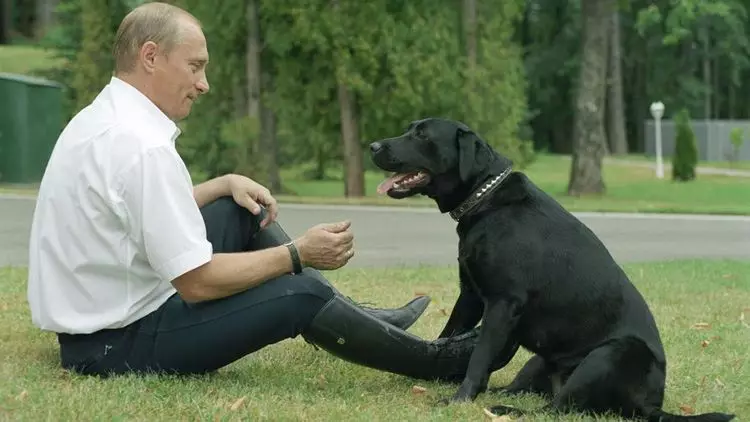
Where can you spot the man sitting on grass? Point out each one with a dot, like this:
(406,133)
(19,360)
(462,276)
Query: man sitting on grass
(139,271)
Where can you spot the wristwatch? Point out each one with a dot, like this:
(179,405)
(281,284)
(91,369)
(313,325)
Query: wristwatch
(296,263)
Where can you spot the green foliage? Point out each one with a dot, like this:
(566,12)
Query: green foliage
(82,39)
(685,156)
(680,34)
(406,67)
(213,140)
(93,62)
(736,138)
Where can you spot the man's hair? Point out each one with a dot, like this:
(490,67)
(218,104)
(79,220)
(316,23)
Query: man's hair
(157,22)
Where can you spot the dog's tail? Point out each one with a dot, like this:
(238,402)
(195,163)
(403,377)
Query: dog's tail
(662,416)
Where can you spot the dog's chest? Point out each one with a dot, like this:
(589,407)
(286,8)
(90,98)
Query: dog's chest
(467,276)
(480,268)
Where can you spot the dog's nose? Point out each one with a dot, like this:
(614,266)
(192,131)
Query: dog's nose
(375,146)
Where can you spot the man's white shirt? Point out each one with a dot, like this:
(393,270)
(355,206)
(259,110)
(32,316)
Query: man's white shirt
(115,219)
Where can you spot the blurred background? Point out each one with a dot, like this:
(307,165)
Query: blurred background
(299,88)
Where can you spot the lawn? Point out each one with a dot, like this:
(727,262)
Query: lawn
(735,165)
(699,305)
(26,60)
(629,189)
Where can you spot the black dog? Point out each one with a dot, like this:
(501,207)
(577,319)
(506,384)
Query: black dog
(536,277)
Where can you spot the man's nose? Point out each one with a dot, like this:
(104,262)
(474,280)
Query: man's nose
(376,146)
(202,86)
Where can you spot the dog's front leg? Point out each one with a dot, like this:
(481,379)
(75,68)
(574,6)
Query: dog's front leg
(466,312)
(497,325)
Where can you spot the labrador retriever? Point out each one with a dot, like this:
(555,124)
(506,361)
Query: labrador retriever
(536,277)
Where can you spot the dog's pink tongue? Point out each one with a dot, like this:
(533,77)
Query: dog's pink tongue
(386,184)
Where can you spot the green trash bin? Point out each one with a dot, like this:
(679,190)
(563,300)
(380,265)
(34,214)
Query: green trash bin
(31,119)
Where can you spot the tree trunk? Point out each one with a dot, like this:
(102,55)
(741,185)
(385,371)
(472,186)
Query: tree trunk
(268,138)
(263,152)
(706,72)
(45,16)
(354,174)
(731,99)
(253,76)
(589,138)
(470,31)
(253,67)
(354,171)
(6,21)
(617,137)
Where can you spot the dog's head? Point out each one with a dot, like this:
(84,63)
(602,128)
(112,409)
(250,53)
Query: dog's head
(439,158)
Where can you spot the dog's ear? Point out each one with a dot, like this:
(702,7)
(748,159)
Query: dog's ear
(468,144)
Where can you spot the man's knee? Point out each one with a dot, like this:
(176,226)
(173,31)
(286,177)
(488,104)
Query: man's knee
(227,208)
(229,226)
(306,285)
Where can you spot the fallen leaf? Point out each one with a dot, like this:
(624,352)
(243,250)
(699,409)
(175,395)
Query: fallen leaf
(495,418)
(418,389)
(443,311)
(705,343)
(686,410)
(22,395)
(420,294)
(237,403)
(701,325)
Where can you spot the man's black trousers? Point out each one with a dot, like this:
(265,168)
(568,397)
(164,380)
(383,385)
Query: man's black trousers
(197,338)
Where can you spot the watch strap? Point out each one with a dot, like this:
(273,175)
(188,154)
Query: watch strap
(296,262)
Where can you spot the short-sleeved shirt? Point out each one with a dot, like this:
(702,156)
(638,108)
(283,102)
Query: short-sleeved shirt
(115,220)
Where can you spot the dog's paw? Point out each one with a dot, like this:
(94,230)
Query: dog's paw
(445,401)
(455,399)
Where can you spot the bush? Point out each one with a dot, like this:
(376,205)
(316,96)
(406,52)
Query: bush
(685,156)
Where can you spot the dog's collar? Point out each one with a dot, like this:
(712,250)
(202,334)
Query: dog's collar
(479,194)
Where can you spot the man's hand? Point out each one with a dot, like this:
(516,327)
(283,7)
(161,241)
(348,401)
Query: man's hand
(251,195)
(326,246)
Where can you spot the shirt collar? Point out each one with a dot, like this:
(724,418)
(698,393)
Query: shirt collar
(128,99)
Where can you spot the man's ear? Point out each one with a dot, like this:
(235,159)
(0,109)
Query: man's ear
(467,153)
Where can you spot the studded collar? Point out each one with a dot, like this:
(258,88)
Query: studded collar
(479,194)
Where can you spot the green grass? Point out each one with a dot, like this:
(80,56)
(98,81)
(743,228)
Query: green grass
(292,381)
(629,189)
(736,165)
(26,60)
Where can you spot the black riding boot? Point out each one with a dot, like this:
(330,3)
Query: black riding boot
(403,317)
(347,332)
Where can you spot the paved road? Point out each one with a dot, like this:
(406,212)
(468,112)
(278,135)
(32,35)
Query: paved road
(395,236)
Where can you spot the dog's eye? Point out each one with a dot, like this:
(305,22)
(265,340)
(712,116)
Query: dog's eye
(419,132)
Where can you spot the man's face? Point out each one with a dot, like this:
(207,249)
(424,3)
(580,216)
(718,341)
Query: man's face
(180,76)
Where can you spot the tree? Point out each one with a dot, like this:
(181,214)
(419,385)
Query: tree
(6,20)
(263,154)
(685,156)
(93,65)
(45,16)
(589,137)
(618,142)
(354,172)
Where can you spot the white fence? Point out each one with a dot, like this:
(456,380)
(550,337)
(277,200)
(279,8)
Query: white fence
(712,138)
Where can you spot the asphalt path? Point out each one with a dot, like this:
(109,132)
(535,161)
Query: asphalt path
(386,236)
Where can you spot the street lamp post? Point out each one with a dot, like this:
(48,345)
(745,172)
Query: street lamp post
(657,111)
